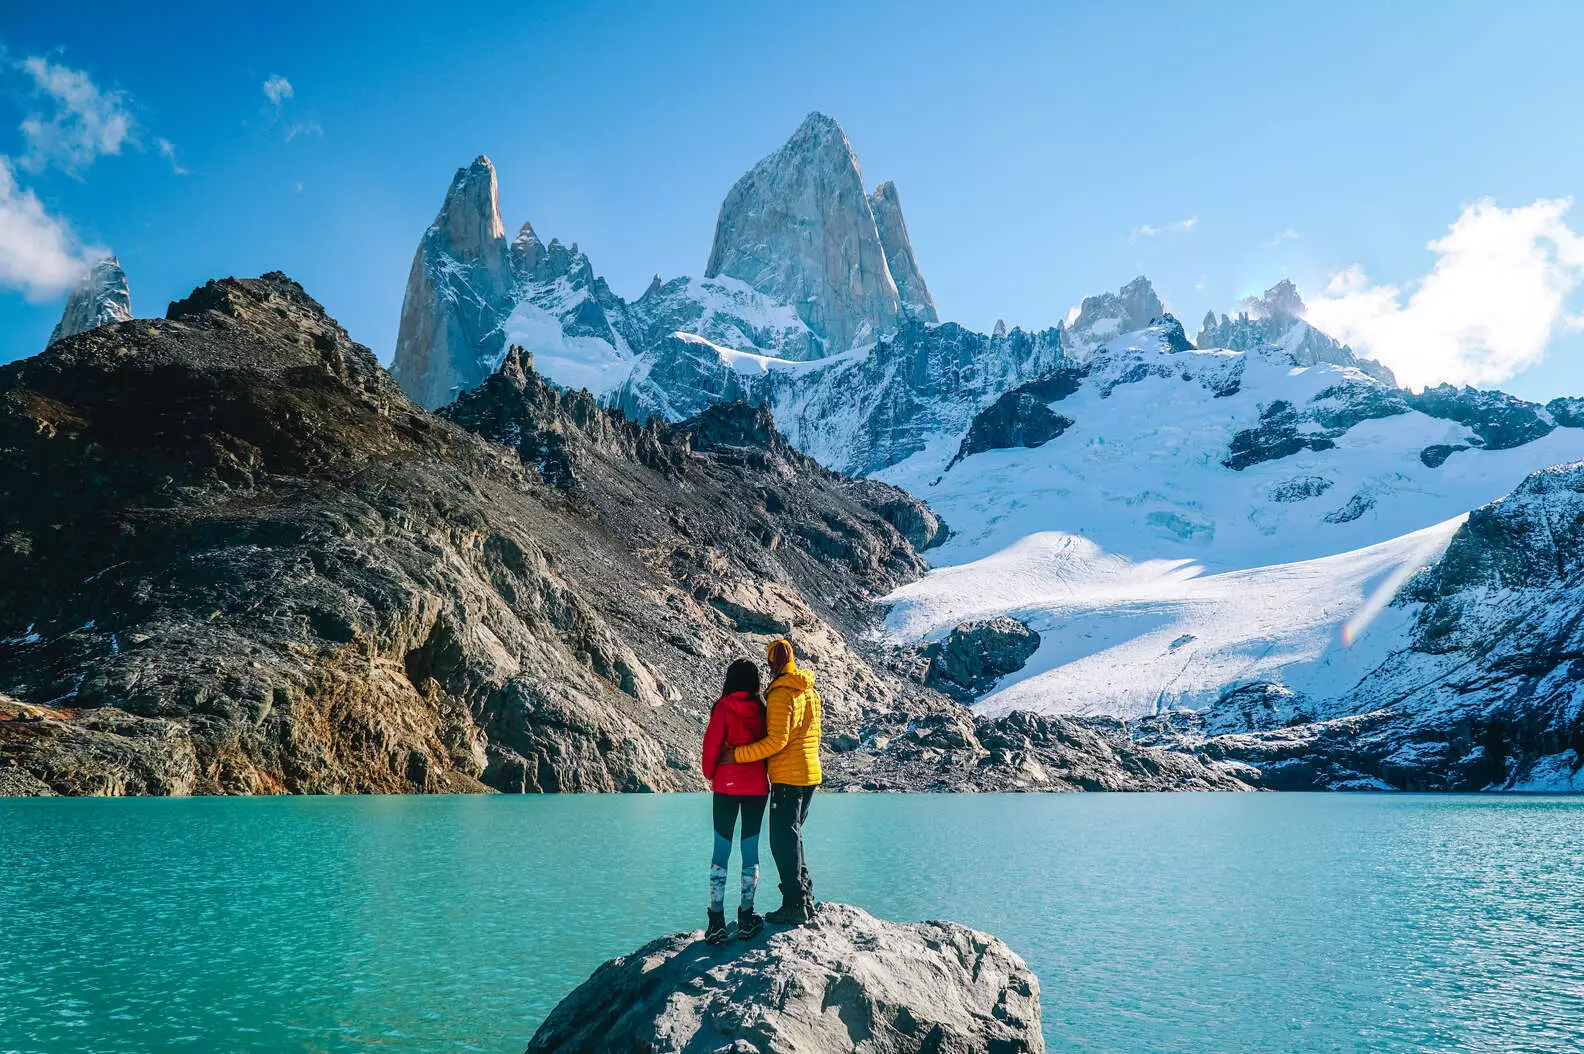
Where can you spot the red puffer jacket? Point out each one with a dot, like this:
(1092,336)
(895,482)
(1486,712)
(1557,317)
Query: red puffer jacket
(737,720)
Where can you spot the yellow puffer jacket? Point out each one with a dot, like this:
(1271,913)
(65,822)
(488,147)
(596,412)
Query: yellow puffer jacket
(792,737)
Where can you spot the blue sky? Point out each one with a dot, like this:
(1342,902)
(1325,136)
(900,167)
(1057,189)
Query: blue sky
(1042,151)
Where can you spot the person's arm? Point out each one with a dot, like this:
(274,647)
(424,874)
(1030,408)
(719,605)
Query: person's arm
(778,728)
(713,734)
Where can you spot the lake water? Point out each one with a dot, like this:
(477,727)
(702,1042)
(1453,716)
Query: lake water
(1155,922)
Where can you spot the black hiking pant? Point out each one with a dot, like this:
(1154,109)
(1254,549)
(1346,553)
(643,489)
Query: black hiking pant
(789,807)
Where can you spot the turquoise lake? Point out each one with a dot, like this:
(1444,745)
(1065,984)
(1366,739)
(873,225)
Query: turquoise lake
(1259,922)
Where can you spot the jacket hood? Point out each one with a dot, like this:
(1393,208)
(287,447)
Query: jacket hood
(797,677)
(742,704)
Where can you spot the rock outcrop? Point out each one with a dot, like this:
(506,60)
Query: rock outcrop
(458,292)
(946,748)
(917,304)
(798,227)
(1022,417)
(100,299)
(1499,421)
(975,655)
(847,981)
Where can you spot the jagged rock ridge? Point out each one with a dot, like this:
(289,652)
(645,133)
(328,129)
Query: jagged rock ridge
(101,298)
(799,269)
(1276,320)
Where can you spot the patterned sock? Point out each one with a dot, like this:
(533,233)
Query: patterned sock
(717,887)
(750,882)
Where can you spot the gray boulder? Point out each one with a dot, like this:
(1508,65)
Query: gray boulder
(99,299)
(846,982)
(977,654)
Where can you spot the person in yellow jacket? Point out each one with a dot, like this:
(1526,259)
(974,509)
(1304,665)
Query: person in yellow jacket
(791,745)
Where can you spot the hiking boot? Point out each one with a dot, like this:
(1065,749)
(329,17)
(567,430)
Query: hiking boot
(749,925)
(715,932)
(794,911)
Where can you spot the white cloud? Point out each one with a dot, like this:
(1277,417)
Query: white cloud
(1487,309)
(277,89)
(168,151)
(304,128)
(84,121)
(39,255)
(1287,235)
(1180,227)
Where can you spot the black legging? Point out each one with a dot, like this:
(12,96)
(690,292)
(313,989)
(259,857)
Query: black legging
(726,808)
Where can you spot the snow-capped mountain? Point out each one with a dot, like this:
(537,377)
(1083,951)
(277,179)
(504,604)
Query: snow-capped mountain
(99,299)
(857,412)
(1208,536)
(801,269)
(1152,448)
(1469,679)
(1101,317)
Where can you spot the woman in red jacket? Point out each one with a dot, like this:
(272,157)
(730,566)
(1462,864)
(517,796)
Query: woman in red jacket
(737,720)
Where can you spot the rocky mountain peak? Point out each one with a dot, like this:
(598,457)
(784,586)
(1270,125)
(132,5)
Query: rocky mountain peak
(470,220)
(1275,320)
(1140,301)
(1279,301)
(737,424)
(917,304)
(1107,315)
(458,290)
(100,298)
(527,251)
(799,227)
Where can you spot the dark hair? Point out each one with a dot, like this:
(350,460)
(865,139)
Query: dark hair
(742,676)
